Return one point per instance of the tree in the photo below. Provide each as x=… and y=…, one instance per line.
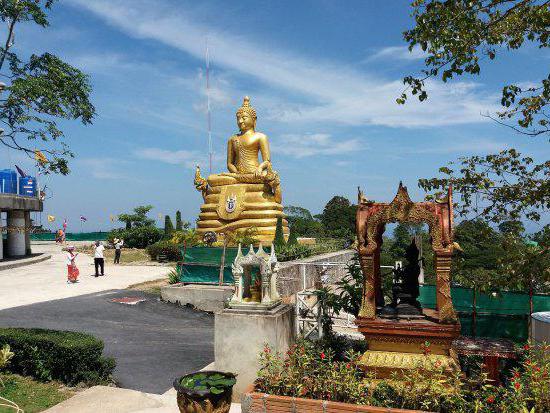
x=168, y=227
x=301, y=222
x=512, y=227
x=457, y=36
x=338, y=217
x=41, y=90
x=138, y=218
x=279, y=241
x=476, y=264
x=179, y=222
x=403, y=234
x=500, y=187
x=292, y=238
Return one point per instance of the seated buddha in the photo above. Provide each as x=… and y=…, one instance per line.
x=250, y=191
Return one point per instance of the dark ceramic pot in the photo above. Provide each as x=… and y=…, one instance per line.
x=202, y=401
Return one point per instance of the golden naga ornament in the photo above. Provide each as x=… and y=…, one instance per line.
x=249, y=194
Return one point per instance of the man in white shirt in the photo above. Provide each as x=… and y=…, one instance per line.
x=118, y=243
x=99, y=261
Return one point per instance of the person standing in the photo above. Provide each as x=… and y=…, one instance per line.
x=99, y=261
x=118, y=243
x=72, y=270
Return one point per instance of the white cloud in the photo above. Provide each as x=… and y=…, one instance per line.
x=301, y=146
x=397, y=53
x=461, y=146
x=103, y=168
x=334, y=92
x=187, y=158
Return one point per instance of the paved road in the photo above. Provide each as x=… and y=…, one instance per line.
x=152, y=341
x=47, y=280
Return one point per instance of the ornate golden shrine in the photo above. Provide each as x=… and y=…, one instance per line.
x=249, y=195
x=397, y=344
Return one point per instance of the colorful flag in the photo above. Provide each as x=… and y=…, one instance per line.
x=40, y=158
x=83, y=218
x=51, y=218
x=21, y=172
x=65, y=224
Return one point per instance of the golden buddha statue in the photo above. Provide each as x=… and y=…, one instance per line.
x=249, y=195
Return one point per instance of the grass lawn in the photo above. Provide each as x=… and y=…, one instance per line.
x=128, y=255
x=30, y=395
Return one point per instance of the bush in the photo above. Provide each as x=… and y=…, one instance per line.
x=169, y=249
x=316, y=371
x=66, y=356
x=138, y=237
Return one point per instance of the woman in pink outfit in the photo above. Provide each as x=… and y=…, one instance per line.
x=72, y=270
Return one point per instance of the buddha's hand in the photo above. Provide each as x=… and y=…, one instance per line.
x=259, y=173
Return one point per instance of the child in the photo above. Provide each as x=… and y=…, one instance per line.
x=72, y=270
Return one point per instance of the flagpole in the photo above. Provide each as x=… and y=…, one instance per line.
x=209, y=118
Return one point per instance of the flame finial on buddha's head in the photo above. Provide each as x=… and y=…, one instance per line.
x=246, y=108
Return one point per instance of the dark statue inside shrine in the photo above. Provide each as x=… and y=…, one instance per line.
x=405, y=288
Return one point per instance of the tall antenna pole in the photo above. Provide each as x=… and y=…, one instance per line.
x=208, y=106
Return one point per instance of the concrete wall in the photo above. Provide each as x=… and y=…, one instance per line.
x=293, y=273
x=16, y=234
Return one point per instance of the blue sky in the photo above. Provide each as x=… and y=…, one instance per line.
x=322, y=75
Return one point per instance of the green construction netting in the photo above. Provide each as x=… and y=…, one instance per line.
x=202, y=264
x=69, y=236
x=505, y=315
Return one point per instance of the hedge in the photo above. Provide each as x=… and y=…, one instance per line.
x=66, y=356
x=167, y=248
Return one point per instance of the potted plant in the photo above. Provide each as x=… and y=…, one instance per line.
x=205, y=392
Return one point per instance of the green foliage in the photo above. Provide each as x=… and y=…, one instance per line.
x=185, y=236
x=501, y=187
x=313, y=371
x=167, y=248
x=168, y=227
x=292, y=238
x=338, y=217
x=302, y=222
x=526, y=266
x=244, y=237
x=179, y=222
x=138, y=218
x=211, y=382
x=512, y=227
x=137, y=237
x=310, y=371
x=346, y=295
x=61, y=355
x=279, y=241
x=457, y=36
x=5, y=356
x=173, y=276
x=41, y=90
x=140, y=230
x=477, y=264
x=293, y=252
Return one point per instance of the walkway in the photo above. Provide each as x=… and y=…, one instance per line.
x=46, y=280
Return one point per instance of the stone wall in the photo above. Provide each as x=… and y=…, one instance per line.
x=297, y=275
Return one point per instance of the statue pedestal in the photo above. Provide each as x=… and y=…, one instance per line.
x=241, y=206
x=397, y=345
x=240, y=336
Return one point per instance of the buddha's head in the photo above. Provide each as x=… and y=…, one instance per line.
x=246, y=116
